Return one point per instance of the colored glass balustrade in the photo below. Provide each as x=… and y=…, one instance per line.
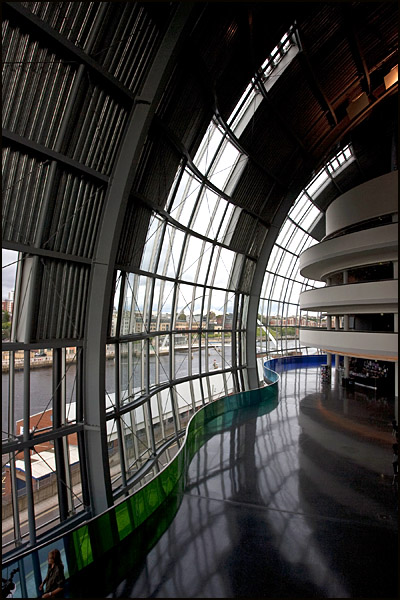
x=105, y=548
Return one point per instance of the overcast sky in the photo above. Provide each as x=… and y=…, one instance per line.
x=8, y=273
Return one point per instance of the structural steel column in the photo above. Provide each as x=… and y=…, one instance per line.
x=255, y=292
x=337, y=327
x=101, y=283
x=346, y=360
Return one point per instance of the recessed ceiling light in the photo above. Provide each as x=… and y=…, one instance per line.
x=392, y=77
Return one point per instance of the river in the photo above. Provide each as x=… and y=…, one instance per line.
x=41, y=379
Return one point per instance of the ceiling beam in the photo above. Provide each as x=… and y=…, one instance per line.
x=355, y=48
x=323, y=145
x=305, y=62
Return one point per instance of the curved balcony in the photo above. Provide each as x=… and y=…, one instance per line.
x=348, y=251
x=362, y=344
x=370, y=297
x=369, y=200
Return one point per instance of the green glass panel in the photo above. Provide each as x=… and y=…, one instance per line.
x=169, y=477
x=139, y=507
x=101, y=532
x=153, y=495
x=153, y=507
x=82, y=547
x=125, y=522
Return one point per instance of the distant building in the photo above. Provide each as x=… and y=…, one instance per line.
x=8, y=304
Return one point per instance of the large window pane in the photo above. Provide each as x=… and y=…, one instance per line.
x=185, y=198
x=208, y=148
x=197, y=259
x=170, y=252
x=151, y=247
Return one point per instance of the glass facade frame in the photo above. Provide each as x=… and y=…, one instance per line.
x=177, y=334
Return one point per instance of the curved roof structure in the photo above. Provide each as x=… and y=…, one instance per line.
x=152, y=152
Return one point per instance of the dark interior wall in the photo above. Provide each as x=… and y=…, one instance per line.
x=371, y=322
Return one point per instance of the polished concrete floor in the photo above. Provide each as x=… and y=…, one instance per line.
x=298, y=502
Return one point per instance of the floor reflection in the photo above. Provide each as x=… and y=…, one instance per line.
x=297, y=502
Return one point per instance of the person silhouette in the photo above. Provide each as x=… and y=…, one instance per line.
x=54, y=581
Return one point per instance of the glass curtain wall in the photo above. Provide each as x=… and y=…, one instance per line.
x=176, y=322
x=279, y=315
x=50, y=221
x=177, y=336
x=177, y=332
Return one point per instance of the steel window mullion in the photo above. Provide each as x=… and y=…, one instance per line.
x=238, y=380
x=237, y=345
x=81, y=433
x=131, y=381
x=214, y=160
x=196, y=203
x=27, y=457
x=235, y=316
x=191, y=387
x=186, y=229
x=176, y=184
x=213, y=217
x=190, y=337
x=68, y=479
x=199, y=175
x=170, y=237
x=202, y=178
x=227, y=206
x=11, y=433
x=134, y=434
x=121, y=299
x=168, y=240
x=166, y=385
x=224, y=379
x=175, y=413
x=207, y=368
x=148, y=301
x=58, y=445
x=179, y=281
x=161, y=416
x=208, y=385
x=217, y=249
x=156, y=349
x=285, y=249
x=174, y=303
x=185, y=246
x=120, y=433
x=157, y=245
x=131, y=284
x=147, y=413
x=261, y=311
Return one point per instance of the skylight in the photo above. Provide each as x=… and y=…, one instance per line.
x=332, y=168
x=275, y=63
